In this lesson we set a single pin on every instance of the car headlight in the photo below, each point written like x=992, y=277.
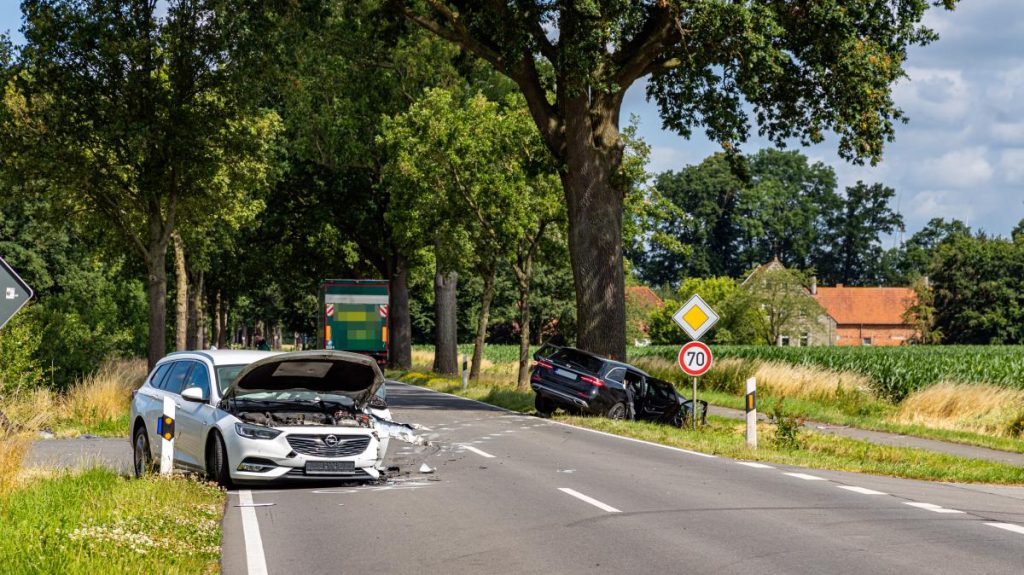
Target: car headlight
x=255, y=431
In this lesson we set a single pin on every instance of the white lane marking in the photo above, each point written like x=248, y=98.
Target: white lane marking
x=255, y=561
x=525, y=427
x=755, y=465
x=1008, y=527
x=931, y=507
x=256, y=505
x=590, y=500
x=478, y=452
x=861, y=490
x=805, y=476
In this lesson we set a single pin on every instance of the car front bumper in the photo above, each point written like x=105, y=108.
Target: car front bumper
x=285, y=460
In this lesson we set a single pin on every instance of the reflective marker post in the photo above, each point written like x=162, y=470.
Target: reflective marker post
x=751, y=405
x=465, y=374
x=165, y=428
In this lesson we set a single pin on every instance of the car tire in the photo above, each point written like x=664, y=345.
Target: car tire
x=616, y=411
x=142, y=456
x=217, y=461
x=545, y=407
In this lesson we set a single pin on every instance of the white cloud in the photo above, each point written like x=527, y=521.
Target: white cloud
x=1011, y=165
x=937, y=94
x=965, y=168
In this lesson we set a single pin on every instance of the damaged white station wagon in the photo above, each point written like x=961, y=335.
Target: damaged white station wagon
x=255, y=417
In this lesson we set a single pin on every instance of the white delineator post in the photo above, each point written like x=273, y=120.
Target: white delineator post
x=751, y=405
x=465, y=373
x=167, y=445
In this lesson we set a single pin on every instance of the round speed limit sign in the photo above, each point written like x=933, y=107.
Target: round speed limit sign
x=695, y=358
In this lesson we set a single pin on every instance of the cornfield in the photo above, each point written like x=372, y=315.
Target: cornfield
x=894, y=372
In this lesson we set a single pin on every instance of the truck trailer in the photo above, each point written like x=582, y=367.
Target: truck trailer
x=354, y=317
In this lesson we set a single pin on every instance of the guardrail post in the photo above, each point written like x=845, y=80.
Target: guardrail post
x=751, y=405
x=165, y=428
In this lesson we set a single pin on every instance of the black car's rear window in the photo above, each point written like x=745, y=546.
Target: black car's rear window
x=578, y=360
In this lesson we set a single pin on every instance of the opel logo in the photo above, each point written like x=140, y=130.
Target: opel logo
x=331, y=440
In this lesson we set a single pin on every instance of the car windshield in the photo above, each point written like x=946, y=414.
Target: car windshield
x=294, y=396
x=226, y=375
x=577, y=359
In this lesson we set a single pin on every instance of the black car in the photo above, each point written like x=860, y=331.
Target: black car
x=583, y=383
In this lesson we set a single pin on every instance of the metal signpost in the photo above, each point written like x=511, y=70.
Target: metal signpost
x=14, y=293
x=695, y=317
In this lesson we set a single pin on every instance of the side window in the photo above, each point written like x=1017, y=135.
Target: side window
x=158, y=376
x=616, y=374
x=175, y=380
x=199, y=377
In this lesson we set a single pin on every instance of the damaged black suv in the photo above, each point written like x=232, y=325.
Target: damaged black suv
x=580, y=382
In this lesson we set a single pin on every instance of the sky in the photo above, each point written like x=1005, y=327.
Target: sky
x=960, y=156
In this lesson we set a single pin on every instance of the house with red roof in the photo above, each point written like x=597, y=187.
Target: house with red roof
x=868, y=315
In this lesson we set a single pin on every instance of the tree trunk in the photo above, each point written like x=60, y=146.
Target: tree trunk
x=523, y=379
x=400, y=323
x=217, y=326
x=595, y=207
x=196, y=312
x=446, y=350
x=156, y=287
x=222, y=337
x=481, y=324
x=180, y=295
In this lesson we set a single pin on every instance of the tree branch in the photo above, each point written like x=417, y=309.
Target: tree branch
x=455, y=32
x=634, y=59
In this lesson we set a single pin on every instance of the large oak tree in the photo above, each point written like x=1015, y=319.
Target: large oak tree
x=794, y=68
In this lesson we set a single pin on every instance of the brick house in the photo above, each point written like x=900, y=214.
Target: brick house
x=868, y=315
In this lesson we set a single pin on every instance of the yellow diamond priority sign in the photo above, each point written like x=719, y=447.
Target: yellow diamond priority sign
x=695, y=317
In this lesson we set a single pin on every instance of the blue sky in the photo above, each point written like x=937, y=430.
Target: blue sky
x=960, y=156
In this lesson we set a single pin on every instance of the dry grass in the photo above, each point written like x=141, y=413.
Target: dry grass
x=19, y=428
x=806, y=382
x=104, y=395
x=980, y=408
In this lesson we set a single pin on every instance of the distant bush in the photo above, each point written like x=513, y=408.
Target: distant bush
x=19, y=343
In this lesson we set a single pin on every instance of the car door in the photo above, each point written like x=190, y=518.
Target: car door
x=192, y=417
x=657, y=398
x=149, y=400
x=171, y=387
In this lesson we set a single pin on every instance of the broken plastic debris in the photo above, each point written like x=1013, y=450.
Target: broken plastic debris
x=426, y=468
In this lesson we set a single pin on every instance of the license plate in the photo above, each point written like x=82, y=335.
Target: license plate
x=566, y=374
x=330, y=467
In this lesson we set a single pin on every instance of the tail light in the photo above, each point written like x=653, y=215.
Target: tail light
x=592, y=380
x=543, y=364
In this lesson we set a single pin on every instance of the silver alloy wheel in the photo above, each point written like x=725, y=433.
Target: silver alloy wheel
x=617, y=411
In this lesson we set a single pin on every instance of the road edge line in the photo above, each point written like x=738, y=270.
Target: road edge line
x=255, y=560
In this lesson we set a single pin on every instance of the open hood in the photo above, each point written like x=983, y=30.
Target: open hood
x=337, y=372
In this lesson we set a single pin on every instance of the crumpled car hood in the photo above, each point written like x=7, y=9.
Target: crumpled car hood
x=338, y=372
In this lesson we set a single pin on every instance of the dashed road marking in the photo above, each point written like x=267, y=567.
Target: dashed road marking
x=931, y=507
x=478, y=452
x=861, y=490
x=255, y=561
x=806, y=477
x=588, y=499
x=1007, y=527
x=755, y=465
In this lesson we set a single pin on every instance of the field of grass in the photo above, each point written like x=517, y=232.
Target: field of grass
x=894, y=372
x=726, y=437
x=98, y=522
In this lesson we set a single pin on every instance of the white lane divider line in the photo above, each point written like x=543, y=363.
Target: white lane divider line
x=1008, y=527
x=590, y=500
x=755, y=465
x=478, y=451
x=861, y=490
x=931, y=507
x=806, y=477
x=255, y=561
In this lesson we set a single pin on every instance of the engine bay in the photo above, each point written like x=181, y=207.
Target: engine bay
x=291, y=417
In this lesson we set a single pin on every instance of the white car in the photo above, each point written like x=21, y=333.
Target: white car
x=255, y=417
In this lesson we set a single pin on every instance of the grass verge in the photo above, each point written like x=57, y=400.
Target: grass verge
x=98, y=522
x=725, y=437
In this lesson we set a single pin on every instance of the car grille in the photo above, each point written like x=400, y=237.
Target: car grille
x=314, y=445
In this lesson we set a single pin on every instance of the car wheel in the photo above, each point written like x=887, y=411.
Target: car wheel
x=617, y=411
x=142, y=457
x=217, y=461
x=545, y=407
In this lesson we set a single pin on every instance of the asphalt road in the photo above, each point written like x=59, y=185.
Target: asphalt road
x=518, y=494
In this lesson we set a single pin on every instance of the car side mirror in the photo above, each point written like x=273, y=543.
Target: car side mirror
x=194, y=394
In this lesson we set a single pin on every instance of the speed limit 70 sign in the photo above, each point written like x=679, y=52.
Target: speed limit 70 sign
x=695, y=358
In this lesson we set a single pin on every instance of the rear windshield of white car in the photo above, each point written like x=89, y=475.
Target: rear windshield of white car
x=226, y=375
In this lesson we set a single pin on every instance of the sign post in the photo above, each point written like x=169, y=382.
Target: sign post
x=695, y=317
x=14, y=293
